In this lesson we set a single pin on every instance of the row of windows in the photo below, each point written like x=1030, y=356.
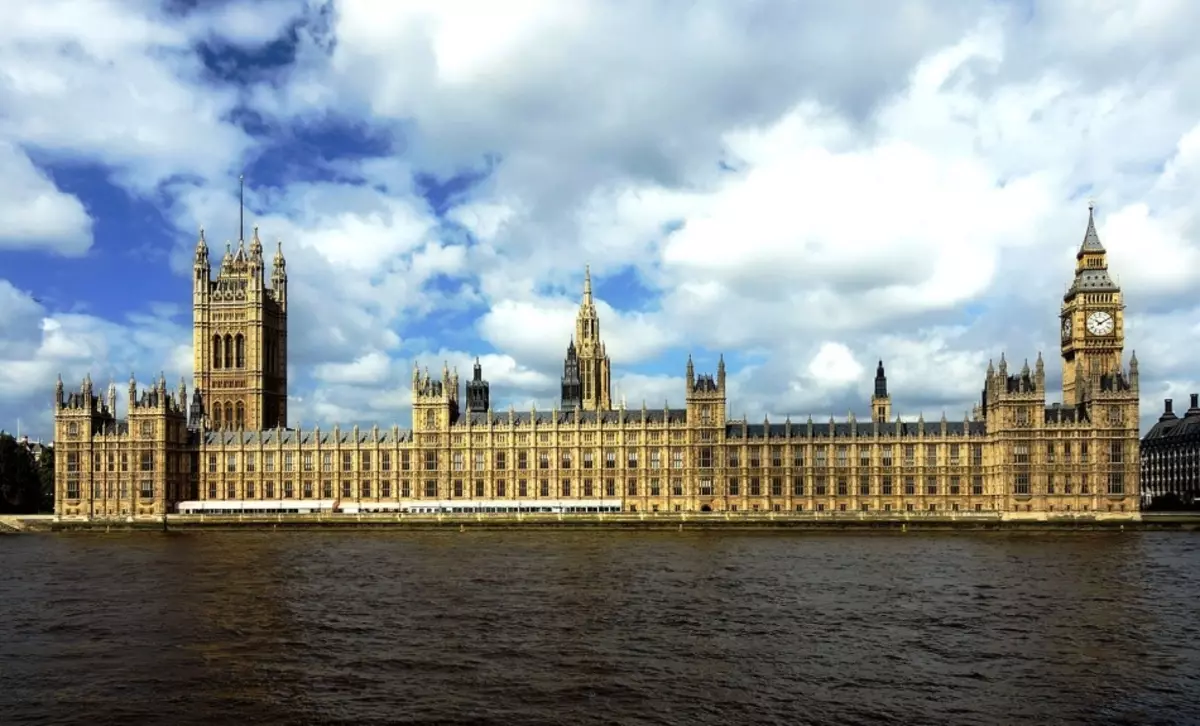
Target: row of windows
x=706, y=457
x=228, y=351
x=111, y=462
x=111, y=490
x=1054, y=452
x=735, y=486
x=1023, y=485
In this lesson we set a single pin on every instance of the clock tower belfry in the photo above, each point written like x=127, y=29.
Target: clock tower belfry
x=1092, y=320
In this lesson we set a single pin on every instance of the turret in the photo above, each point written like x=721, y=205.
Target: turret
x=58, y=393
x=256, y=249
x=196, y=418
x=881, y=402
x=201, y=266
x=721, y=372
x=478, y=396
x=691, y=374
x=572, y=386
x=279, y=276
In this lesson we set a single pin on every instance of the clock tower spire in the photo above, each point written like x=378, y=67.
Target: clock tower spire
x=1092, y=320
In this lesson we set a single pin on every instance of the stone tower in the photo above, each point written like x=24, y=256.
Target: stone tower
x=478, y=395
x=435, y=402
x=1092, y=320
x=239, y=336
x=706, y=399
x=881, y=402
x=593, y=362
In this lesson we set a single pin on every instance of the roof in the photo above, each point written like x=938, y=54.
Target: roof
x=1171, y=430
x=1091, y=279
x=1091, y=240
x=733, y=430
x=847, y=429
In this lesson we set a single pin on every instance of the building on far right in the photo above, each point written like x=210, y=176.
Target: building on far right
x=1170, y=459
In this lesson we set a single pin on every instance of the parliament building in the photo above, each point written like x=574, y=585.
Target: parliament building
x=227, y=447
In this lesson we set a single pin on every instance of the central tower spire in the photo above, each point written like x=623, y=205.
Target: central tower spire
x=592, y=358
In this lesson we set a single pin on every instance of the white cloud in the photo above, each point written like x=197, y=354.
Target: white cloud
x=834, y=365
x=36, y=213
x=370, y=369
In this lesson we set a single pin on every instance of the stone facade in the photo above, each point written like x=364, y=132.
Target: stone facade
x=1014, y=453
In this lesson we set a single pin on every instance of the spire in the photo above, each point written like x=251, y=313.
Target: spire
x=880, y=381
x=587, y=285
x=201, y=246
x=721, y=372
x=478, y=370
x=1091, y=240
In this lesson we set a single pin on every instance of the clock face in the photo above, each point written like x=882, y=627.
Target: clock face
x=1100, y=323
x=1066, y=328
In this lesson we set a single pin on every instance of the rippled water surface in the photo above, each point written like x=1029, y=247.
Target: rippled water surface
x=599, y=628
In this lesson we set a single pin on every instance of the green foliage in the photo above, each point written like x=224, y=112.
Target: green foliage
x=20, y=479
x=46, y=479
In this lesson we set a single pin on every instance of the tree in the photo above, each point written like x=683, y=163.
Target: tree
x=46, y=479
x=20, y=488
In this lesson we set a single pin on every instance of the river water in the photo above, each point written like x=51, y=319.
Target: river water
x=599, y=628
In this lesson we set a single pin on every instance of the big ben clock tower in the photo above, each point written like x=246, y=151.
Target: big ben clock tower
x=1093, y=316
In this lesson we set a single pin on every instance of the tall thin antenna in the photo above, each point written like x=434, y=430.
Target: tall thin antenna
x=241, y=207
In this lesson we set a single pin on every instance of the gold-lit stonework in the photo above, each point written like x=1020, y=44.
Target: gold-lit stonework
x=229, y=450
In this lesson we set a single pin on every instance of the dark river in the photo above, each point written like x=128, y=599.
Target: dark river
x=599, y=628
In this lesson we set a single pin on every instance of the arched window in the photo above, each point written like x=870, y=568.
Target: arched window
x=228, y=351
x=216, y=417
x=430, y=419
x=241, y=415
x=240, y=350
x=216, y=361
x=229, y=415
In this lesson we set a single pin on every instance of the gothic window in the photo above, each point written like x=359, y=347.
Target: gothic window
x=228, y=351
x=229, y=415
x=216, y=351
x=240, y=351
x=430, y=419
x=217, y=416
x=241, y=415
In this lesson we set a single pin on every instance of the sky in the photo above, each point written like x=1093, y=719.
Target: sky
x=805, y=187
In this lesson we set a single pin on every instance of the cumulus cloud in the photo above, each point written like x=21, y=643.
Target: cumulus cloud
x=36, y=213
x=772, y=189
